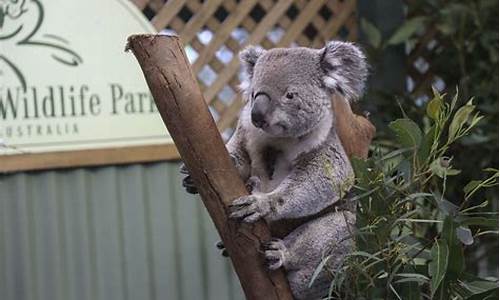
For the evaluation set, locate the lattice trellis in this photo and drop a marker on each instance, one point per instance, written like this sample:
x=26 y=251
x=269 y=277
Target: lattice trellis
x=420 y=75
x=214 y=31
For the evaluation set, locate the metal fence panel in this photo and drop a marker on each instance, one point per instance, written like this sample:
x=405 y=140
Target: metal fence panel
x=124 y=232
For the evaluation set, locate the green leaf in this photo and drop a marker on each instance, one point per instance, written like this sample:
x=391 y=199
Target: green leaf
x=318 y=270
x=465 y=235
x=478 y=221
x=441 y=167
x=395 y=292
x=407 y=132
x=360 y=167
x=459 y=120
x=478 y=287
x=492 y=170
x=406 y=30
x=439 y=264
x=434 y=107
x=426 y=145
x=490 y=295
x=413 y=275
x=409 y=285
x=452 y=172
x=471 y=185
x=372 y=33
x=365 y=254
x=446 y=207
x=456 y=254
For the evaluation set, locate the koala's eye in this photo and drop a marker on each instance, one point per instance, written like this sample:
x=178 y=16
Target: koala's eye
x=289 y=95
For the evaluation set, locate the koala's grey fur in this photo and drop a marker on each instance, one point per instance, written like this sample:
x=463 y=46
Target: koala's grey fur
x=294 y=161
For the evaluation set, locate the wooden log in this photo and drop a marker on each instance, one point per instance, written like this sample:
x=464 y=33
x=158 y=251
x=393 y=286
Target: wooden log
x=189 y=122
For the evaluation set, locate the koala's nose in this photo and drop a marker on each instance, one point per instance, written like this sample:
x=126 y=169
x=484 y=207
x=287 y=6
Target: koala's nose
x=258 y=119
x=259 y=109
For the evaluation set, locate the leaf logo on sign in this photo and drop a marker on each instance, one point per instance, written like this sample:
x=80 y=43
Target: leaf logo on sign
x=20 y=24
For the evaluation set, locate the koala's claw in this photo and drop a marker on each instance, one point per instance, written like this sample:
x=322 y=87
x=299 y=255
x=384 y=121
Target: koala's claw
x=250 y=208
x=187 y=182
x=275 y=254
x=253 y=184
x=221 y=247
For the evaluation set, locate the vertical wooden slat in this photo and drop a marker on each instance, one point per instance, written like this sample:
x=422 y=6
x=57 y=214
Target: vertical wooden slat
x=134 y=233
x=163 y=229
x=15 y=268
x=188 y=239
x=63 y=282
x=148 y=235
x=76 y=234
x=46 y=237
x=4 y=259
x=108 y=254
x=92 y=234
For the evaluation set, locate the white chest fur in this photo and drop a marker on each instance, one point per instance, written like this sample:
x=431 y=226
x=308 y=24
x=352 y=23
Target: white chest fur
x=285 y=151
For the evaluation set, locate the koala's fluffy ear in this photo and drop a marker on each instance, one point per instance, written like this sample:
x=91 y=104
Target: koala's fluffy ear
x=345 y=69
x=248 y=58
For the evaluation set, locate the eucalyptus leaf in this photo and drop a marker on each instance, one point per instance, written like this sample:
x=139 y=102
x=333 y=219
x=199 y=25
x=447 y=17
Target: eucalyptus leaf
x=439 y=264
x=434 y=108
x=480 y=286
x=447 y=207
x=426 y=145
x=407 y=132
x=479 y=221
x=318 y=270
x=459 y=120
x=441 y=167
x=456 y=255
x=372 y=33
x=471 y=185
x=406 y=30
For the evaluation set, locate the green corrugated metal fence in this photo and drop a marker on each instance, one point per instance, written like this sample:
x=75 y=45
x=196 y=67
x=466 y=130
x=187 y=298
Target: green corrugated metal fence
x=127 y=232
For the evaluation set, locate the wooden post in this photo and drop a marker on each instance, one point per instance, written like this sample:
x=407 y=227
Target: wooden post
x=186 y=115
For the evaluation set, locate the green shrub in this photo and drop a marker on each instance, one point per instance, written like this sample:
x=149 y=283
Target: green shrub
x=464 y=54
x=410 y=237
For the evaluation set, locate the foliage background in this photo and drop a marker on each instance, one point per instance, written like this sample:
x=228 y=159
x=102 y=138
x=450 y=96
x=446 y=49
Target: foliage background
x=465 y=57
x=462 y=55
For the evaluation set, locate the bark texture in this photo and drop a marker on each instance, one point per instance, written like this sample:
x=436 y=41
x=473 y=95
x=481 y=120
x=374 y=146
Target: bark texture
x=186 y=115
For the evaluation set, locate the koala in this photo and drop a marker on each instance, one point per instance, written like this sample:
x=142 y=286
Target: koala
x=288 y=151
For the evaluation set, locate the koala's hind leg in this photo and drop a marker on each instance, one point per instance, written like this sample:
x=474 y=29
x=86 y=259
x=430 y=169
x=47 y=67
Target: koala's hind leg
x=306 y=246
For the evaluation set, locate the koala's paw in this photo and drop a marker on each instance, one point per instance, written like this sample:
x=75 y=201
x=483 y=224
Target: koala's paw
x=250 y=208
x=253 y=184
x=220 y=245
x=187 y=182
x=275 y=254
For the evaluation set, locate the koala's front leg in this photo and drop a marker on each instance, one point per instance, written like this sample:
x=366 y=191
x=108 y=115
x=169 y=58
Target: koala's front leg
x=310 y=187
x=251 y=208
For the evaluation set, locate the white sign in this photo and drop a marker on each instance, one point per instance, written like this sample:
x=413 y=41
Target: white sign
x=65 y=81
